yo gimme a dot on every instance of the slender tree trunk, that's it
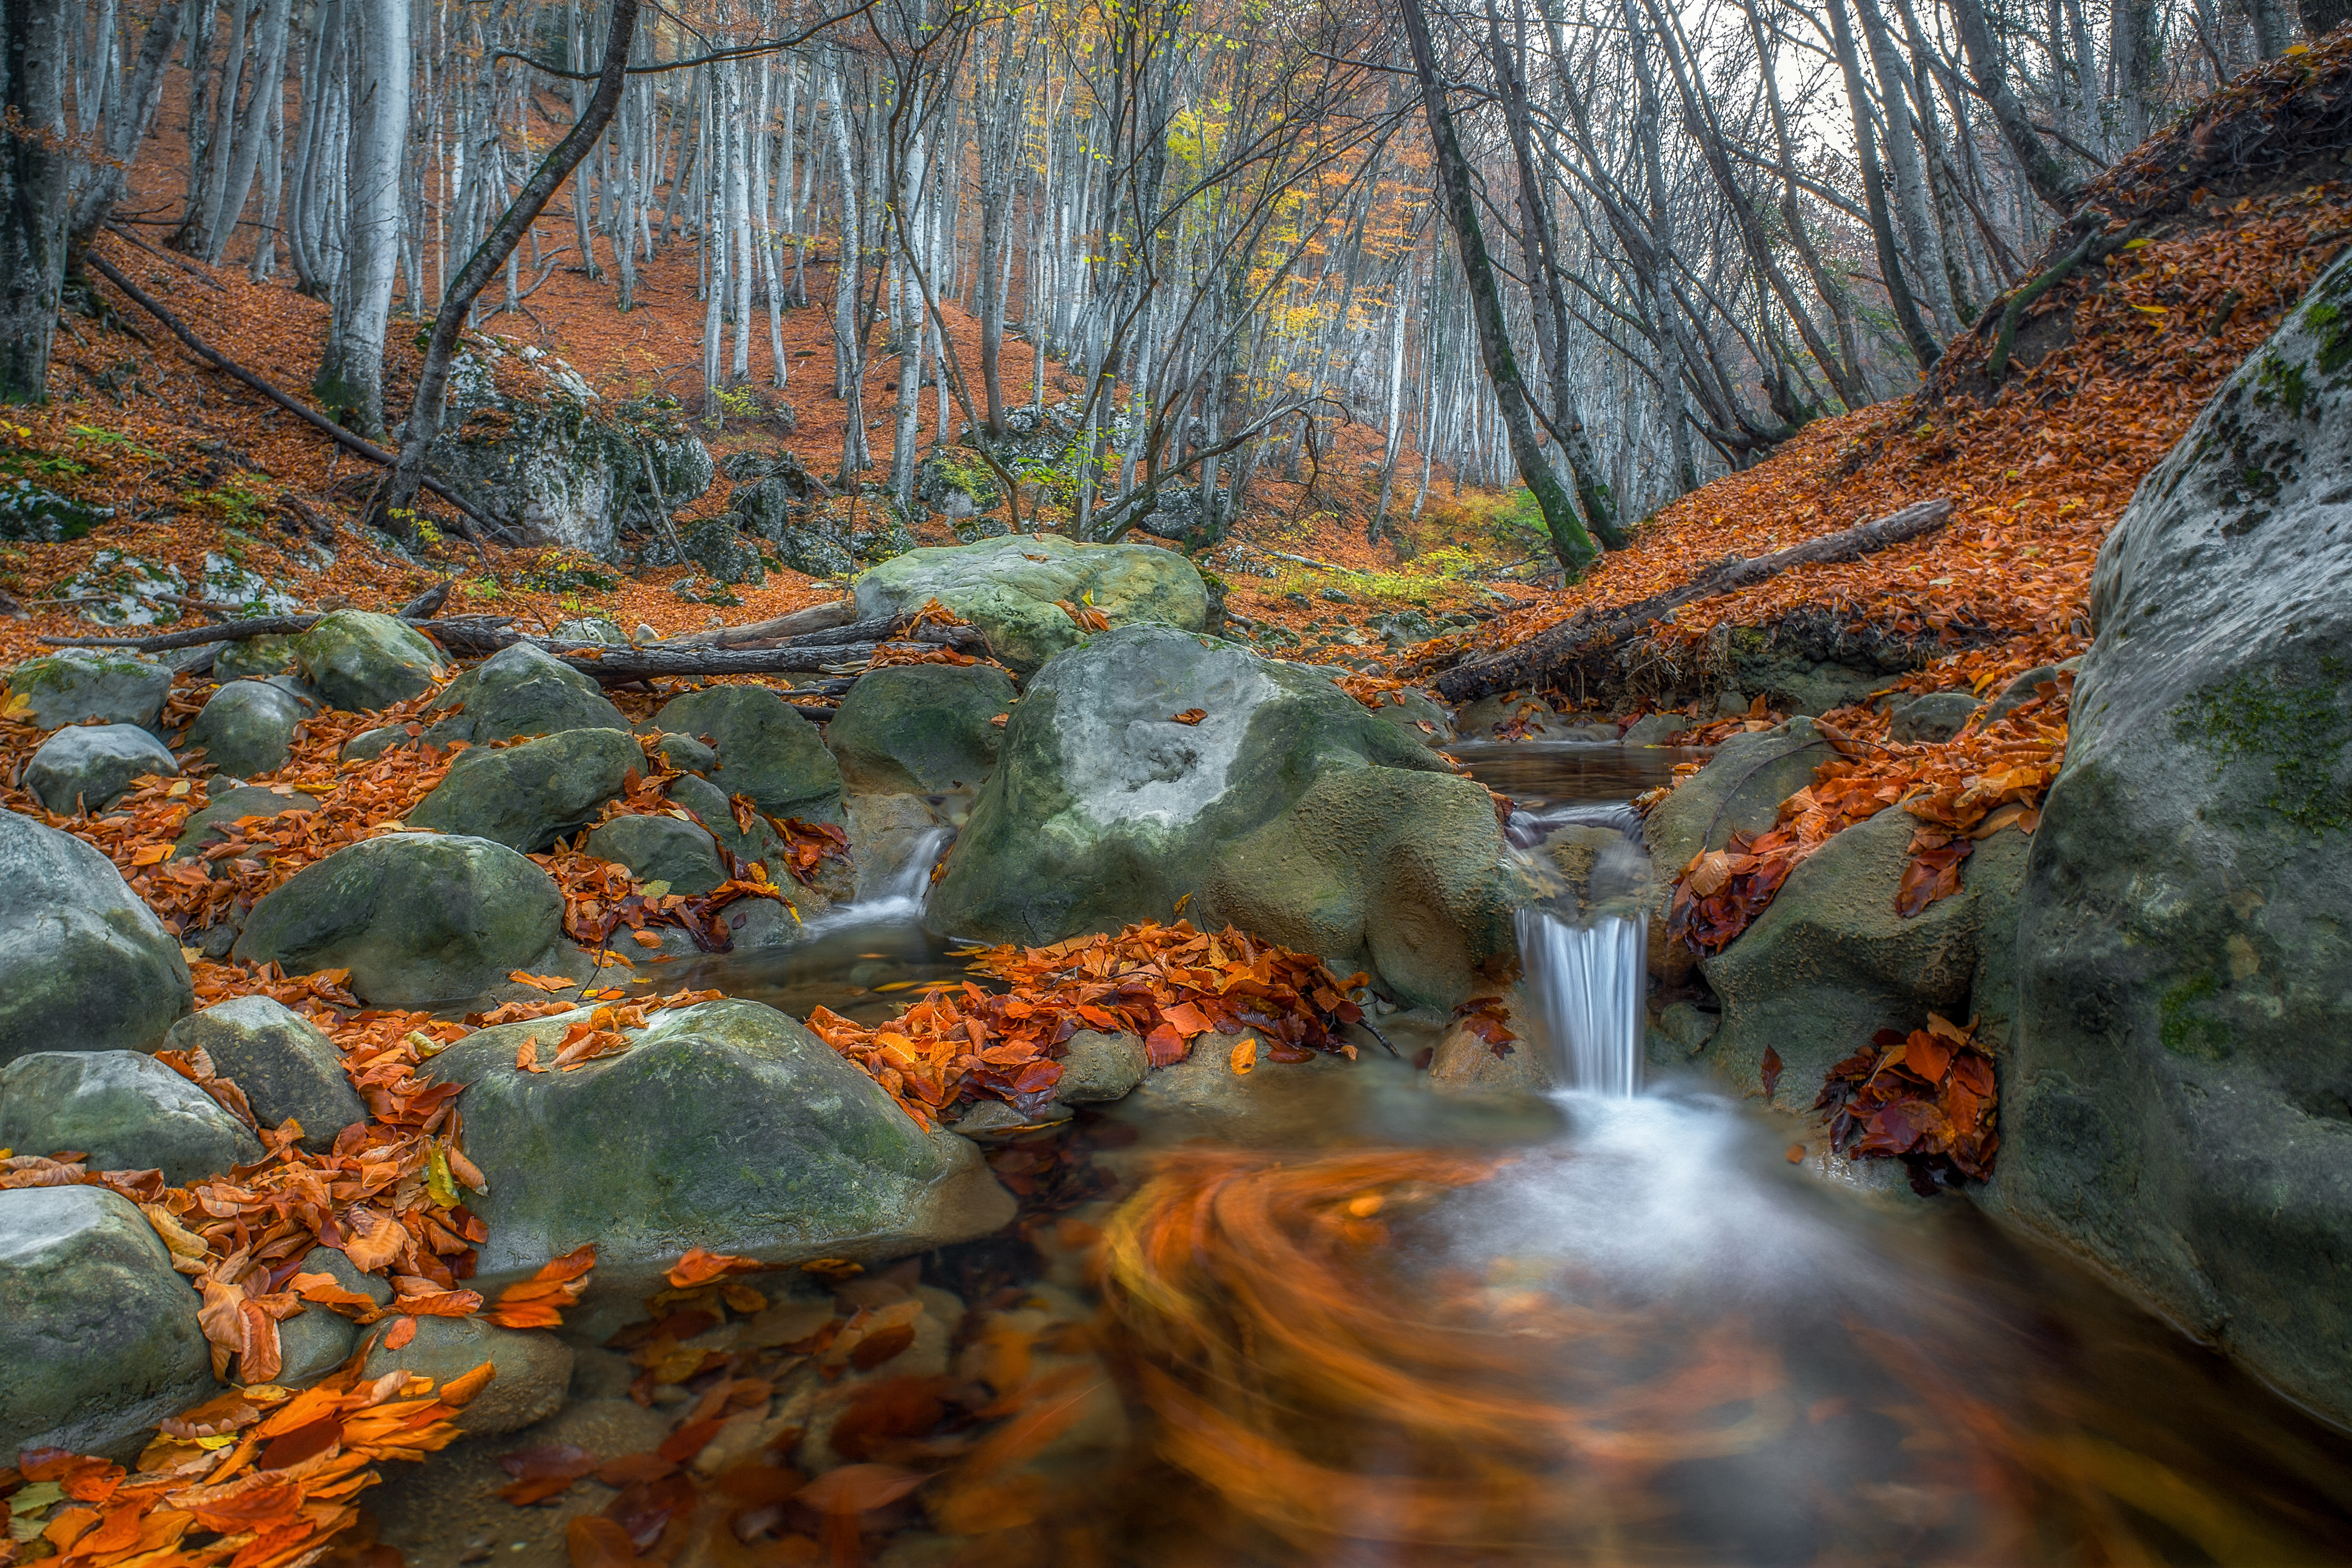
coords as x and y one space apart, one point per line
351 378
1988 68
126 128
36 191
1924 347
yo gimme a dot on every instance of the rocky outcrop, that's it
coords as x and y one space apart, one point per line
99 1339
360 661
284 1063
766 751
246 727
85 768
725 1125
1285 809
2174 1103
122 1111
528 796
420 919
84 965
1010 587
75 685
521 690
920 729
527 436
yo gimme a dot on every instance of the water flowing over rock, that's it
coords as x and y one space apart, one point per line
725 1125
74 685
1010 587
1286 810
2174 1101
98 1338
527 435
124 1110
84 964
420 919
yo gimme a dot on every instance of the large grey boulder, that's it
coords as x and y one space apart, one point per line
84 768
920 729
284 1063
84 964
767 750
725 1125
98 1338
521 690
361 660
1008 587
661 849
246 727
122 1110
2174 1105
1830 963
1288 810
420 919
528 796
75 685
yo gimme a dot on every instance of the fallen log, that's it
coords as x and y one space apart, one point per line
1593 630
613 663
816 618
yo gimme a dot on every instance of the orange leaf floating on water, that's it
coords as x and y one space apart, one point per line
701 1267
1190 715
538 1301
542 982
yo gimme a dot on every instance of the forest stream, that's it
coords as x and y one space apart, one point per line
1342 1321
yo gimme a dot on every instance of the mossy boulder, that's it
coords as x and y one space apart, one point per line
85 768
957 483
271 655
767 751
521 690
528 796
84 963
284 1063
75 685
1009 588
920 728
661 850
98 1338
122 1109
2174 1103
1286 808
1740 789
360 661
246 727
420 919
725 1125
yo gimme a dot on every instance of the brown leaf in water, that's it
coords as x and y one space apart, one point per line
596 1542
860 1488
701 1267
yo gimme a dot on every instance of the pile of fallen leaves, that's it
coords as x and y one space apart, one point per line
259 1476
1171 984
1986 778
1926 1099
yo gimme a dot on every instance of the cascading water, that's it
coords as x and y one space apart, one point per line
1586 983
891 890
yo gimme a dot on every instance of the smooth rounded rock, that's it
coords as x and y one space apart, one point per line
661 849
767 750
316 1341
360 661
533 1369
284 1063
98 1338
1936 716
229 807
75 685
123 1110
254 656
1098 1066
521 690
1010 587
420 919
84 963
528 796
246 727
85 768
920 729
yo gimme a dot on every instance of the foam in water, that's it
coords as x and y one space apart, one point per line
888 894
1586 983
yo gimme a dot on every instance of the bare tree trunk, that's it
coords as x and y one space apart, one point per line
35 170
351 377
1988 68
126 129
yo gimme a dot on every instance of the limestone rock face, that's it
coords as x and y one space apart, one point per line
2173 1104
1008 587
521 690
282 1061
920 728
361 660
99 1339
1288 810
74 685
419 919
84 964
85 768
124 1110
528 796
727 1125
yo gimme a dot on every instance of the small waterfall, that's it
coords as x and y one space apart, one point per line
892 889
1586 982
